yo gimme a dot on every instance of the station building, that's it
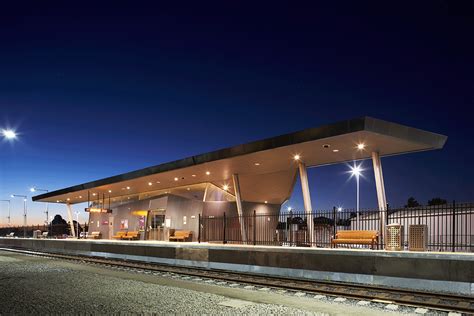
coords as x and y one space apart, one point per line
253 177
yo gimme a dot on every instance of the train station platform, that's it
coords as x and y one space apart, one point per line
429 271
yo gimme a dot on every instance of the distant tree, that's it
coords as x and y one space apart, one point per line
59 226
412 202
437 201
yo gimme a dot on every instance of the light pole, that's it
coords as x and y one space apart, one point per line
24 211
34 189
356 171
9 205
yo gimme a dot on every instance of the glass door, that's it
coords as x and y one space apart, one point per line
156 225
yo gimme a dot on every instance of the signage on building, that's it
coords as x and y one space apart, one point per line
98 210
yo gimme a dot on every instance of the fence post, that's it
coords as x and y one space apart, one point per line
199 228
223 235
384 229
335 221
254 227
453 233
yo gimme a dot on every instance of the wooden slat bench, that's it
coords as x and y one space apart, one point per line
119 235
94 235
131 236
182 235
359 237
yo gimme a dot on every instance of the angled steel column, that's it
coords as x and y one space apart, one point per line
307 201
71 223
238 201
380 187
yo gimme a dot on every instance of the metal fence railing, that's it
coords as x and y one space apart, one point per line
450 227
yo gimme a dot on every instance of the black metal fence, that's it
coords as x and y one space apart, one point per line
449 227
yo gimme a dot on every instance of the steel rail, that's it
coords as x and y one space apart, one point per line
414 298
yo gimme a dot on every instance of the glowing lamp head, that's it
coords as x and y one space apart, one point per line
225 187
339 209
9 134
32 190
289 208
356 171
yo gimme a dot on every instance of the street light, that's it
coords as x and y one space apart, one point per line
34 189
9 134
356 171
9 205
24 211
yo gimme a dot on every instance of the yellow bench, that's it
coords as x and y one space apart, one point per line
182 235
359 237
119 235
132 236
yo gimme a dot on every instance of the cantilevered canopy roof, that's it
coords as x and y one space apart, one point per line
266 167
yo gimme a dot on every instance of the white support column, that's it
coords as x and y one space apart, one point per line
238 201
380 187
71 223
307 201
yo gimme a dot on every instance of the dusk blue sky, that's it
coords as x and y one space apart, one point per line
95 91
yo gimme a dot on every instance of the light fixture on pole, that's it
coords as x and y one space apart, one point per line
34 189
9 205
9 134
24 211
356 171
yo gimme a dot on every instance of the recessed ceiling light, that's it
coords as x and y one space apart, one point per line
94 194
208 172
266 202
257 164
150 183
110 191
80 196
68 199
361 146
158 182
296 157
176 179
57 201
128 188
193 175
128 198
225 187
335 150
326 146
188 189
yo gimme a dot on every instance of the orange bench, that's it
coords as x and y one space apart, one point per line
132 236
119 235
359 237
182 235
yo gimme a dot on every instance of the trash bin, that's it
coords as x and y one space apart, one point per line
417 237
394 238
36 233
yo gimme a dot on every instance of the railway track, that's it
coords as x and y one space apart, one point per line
438 301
